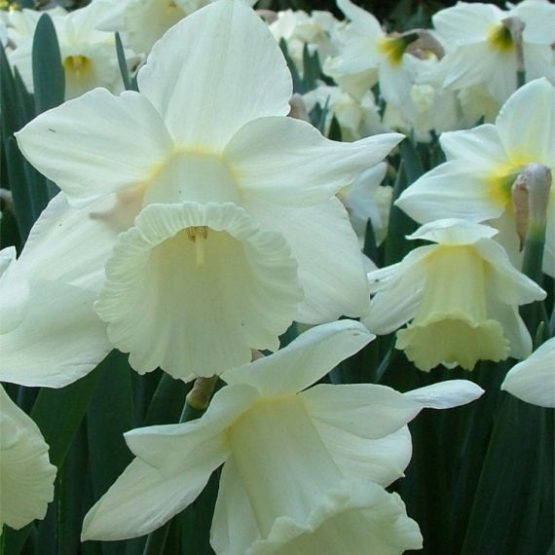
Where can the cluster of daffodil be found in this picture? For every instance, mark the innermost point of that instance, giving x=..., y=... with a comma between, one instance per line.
x=197, y=220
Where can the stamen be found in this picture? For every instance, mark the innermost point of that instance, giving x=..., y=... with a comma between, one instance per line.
x=198, y=234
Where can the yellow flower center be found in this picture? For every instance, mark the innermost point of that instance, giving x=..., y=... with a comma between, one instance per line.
x=77, y=66
x=393, y=49
x=500, y=38
x=501, y=180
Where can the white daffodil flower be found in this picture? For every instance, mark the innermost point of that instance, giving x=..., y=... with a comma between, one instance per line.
x=302, y=467
x=482, y=164
x=369, y=56
x=143, y=22
x=481, y=48
x=26, y=475
x=88, y=55
x=231, y=227
x=461, y=297
x=533, y=379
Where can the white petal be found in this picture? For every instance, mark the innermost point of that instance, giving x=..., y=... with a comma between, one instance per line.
x=213, y=72
x=467, y=22
x=304, y=361
x=72, y=245
x=26, y=475
x=197, y=304
x=454, y=232
x=234, y=527
x=365, y=23
x=449, y=191
x=514, y=328
x=288, y=161
x=526, y=123
x=381, y=460
x=141, y=500
x=399, y=289
x=446, y=395
x=507, y=283
x=367, y=410
x=533, y=379
x=331, y=267
x=480, y=148
x=110, y=143
x=175, y=447
x=59, y=339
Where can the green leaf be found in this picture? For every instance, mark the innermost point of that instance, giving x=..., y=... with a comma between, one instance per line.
x=110, y=414
x=128, y=83
x=298, y=84
x=48, y=72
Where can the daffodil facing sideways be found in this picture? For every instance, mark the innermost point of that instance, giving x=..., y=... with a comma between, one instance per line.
x=488, y=46
x=461, y=297
x=369, y=56
x=303, y=468
x=476, y=182
x=212, y=215
x=26, y=475
x=533, y=379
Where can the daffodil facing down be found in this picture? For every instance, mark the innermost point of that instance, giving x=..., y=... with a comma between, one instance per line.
x=303, y=467
x=461, y=297
x=476, y=182
x=533, y=379
x=26, y=475
x=215, y=215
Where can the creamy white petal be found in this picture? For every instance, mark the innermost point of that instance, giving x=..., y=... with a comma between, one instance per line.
x=399, y=289
x=72, y=245
x=331, y=267
x=172, y=448
x=111, y=143
x=367, y=410
x=514, y=328
x=454, y=232
x=467, y=22
x=481, y=147
x=26, y=475
x=304, y=361
x=526, y=123
x=193, y=288
x=449, y=191
x=446, y=395
x=58, y=339
x=142, y=499
x=507, y=283
x=381, y=460
x=214, y=71
x=288, y=161
x=234, y=527
x=533, y=379
x=364, y=22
